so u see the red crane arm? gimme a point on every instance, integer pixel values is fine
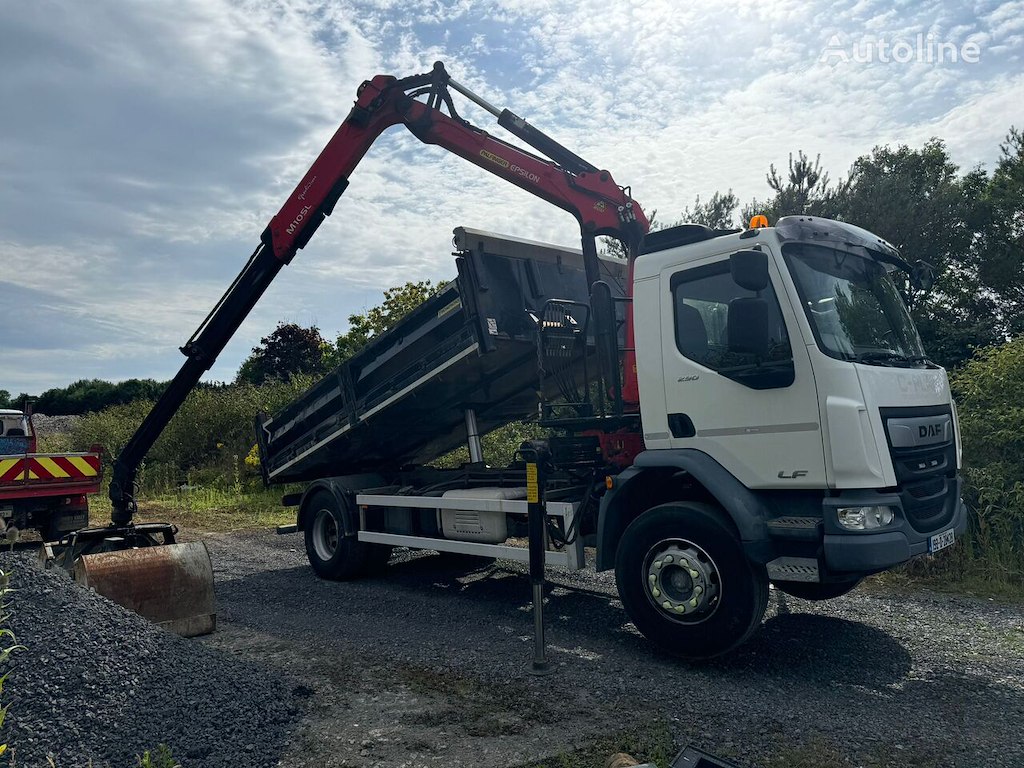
(600, 205)
(567, 181)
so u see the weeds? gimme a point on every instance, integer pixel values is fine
(8, 643)
(817, 753)
(652, 743)
(209, 508)
(160, 758)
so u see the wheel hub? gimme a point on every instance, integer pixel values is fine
(682, 581)
(325, 535)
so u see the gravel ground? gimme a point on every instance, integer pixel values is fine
(427, 665)
(99, 685)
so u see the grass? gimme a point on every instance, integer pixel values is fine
(473, 706)
(652, 743)
(218, 510)
(819, 752)
(160, 757)
(8, 643)
(955, 571)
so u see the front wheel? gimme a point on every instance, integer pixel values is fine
(686, 583)
(331, 553)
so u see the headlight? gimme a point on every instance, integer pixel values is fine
(865, 518)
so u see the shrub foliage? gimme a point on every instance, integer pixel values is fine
(209, 437)
(990, 400)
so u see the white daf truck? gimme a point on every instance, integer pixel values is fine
(781, 423)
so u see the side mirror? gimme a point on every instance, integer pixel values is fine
(922, 276)
(749, 269)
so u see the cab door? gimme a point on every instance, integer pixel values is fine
(751, 406)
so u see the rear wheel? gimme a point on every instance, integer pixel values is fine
(685, 582)
(331, 553)
(815, 591)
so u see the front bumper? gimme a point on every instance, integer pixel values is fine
(872, 551)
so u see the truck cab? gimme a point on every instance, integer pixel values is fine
(812, 391)
(16, 435)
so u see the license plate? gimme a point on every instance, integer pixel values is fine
(940, 541)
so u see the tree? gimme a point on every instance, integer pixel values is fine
(365, 327)
(804, 191)
(5, 399)
(917, 201)
(616, 249)
(717, 213)
(288, 351)
(87, 395)
(1001, 250)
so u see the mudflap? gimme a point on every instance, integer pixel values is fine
(168, 583)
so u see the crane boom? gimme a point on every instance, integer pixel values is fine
(565, 180)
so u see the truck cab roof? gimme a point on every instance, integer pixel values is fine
(12, 421)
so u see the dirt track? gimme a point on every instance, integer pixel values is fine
(428, 665)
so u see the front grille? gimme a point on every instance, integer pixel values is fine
(926, 473)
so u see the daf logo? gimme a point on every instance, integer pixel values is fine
(910, 432)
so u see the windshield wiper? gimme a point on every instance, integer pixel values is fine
(921, 273)
(891, 356)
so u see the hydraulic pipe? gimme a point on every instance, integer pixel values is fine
(476, 450)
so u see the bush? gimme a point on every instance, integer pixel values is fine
(499, 446)
(990, 399)
(210, 435)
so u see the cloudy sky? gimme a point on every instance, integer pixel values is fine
(145, 144)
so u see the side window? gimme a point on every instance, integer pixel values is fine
(722, 326)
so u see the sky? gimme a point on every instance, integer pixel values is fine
(145, 145)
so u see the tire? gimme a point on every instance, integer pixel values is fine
(686, 583)
(814, 591)
(333, 555)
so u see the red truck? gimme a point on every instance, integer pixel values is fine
(45, 491)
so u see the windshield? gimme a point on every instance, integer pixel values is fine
(853, 306)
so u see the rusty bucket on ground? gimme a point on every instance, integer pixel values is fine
(171, 585)
(142, 567)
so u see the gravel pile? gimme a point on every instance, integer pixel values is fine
(53, 425)
(99, 683)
